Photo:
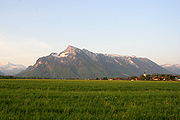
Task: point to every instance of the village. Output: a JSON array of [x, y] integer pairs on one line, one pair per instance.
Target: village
[[151, 77]]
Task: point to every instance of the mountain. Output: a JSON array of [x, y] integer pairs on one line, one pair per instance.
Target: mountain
[[11, 69], [81, 63], [1, 73], [173, 68]]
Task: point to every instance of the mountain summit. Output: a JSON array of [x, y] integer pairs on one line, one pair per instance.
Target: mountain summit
[[70, 50], [81, 63]]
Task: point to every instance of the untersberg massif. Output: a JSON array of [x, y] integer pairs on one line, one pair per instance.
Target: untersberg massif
[[81, 63]]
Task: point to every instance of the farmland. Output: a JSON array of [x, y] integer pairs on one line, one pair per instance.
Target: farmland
[[89, 100]]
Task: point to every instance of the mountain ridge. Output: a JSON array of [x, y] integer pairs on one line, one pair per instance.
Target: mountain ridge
[[1, 73], [175, 68], [82, 63], [11, 69]]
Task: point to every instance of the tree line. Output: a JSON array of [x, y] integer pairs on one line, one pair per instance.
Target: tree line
[[165, 77], [161, 77]]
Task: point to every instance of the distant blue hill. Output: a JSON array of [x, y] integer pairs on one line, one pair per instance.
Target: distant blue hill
[[173, 68]]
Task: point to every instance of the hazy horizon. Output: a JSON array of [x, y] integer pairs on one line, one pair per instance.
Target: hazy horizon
[[32, 29]]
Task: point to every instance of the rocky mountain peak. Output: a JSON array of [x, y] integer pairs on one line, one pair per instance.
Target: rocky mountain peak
[[70, 50]]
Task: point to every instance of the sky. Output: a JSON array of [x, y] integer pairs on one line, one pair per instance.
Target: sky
[[30, 29]]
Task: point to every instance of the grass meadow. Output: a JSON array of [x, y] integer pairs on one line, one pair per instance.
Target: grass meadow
[[89, 100]]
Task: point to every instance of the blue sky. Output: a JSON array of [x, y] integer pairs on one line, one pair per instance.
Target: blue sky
[[30, 29]]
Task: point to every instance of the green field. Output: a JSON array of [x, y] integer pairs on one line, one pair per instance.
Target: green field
[[89, 100]]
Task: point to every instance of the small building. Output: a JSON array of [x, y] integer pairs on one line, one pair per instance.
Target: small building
[[155, 78], [117, 78], [144, 74]]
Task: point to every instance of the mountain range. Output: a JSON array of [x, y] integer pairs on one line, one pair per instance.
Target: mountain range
[[11, 69], [175, 68], [1, 73], [81, 63]]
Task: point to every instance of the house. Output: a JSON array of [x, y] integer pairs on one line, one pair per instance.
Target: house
[[155, 78], [117, 78]]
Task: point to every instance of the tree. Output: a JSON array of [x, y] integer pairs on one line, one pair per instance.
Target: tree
[[105, 78]]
